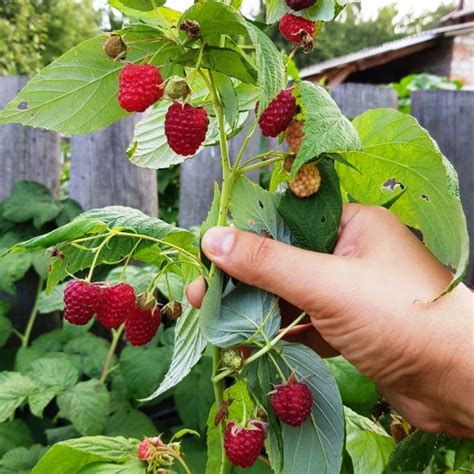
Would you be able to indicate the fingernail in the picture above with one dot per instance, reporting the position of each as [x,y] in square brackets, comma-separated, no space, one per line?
[219,241]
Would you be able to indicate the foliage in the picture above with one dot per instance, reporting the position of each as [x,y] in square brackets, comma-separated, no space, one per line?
[97,396]
[416,82]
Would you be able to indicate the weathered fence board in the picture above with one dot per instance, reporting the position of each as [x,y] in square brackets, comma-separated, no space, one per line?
[449,117]
[101,174]
[355,99]
[26,153]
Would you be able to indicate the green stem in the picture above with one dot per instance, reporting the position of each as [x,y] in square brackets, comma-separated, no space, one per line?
[262,164]
[34,312]
[96,256]
[268,347]
[110,355]
[246,142]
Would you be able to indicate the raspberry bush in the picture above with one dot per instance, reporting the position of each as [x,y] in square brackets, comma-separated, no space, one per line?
[201,76]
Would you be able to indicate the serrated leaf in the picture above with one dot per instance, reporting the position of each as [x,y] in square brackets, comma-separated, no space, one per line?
[326,130]
[368,444]
[143,368]
[86,405]
[72,455]
[230,102]
[357,391]
[54,301]
[70,210]
[272,76]
[12,267]
[6,329]
[319,441]
[255,210]
[21,460]
[314,221]
[399,154]
[14,390]
[77,93]
[51,376]
[138,277]
[14,434]
[31,200]
[194,410]
[187,351]
[129,423]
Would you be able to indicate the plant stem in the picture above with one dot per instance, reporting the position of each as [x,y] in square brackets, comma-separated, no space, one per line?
[246,142]
[262,164]
[34,312]
[113,346]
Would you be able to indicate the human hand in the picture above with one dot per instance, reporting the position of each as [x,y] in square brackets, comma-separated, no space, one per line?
[371,302]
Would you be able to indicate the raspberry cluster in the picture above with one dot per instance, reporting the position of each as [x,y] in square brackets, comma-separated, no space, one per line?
[113,305]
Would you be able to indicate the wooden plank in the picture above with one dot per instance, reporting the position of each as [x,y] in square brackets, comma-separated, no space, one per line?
[26,153]
[355,99]
[101,174]
[449,117]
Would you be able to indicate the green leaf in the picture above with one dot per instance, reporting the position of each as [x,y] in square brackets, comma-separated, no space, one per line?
[137,5]
[319,441]
[138,277]
[255,210]
[130,467]
[14,434]
[62,433]
[357,391]
[21,460]
[54,301]
[367,443]
[314,221]
[129,423]
[6,329]
[415,452]
[230,101]
[72,455]
[31,200]
[70,210]
[52,376]
[187,351]
[399,154]
[86,405]
[12,267]
[464,452]
[143,368]
[75,94]
[194,410]
[326,130]
[272,76]
[14,390]
[323,10]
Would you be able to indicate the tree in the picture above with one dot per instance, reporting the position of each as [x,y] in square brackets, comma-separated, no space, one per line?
[35,32]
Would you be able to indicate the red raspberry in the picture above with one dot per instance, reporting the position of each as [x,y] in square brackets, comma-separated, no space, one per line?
[81,299]
[141,325]
[140,85]
[277,116]
[145,451]
[185,128]
[298,5]
[292,402]
[243,445]
[116,303]
[294,28]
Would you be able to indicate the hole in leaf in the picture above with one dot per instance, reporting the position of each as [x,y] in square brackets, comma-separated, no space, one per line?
[392,184]
[323,220]
[425,197]
[260,203]
[22,105]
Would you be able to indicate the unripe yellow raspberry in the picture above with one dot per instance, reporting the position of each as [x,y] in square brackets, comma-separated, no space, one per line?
[306,182]
[294,135]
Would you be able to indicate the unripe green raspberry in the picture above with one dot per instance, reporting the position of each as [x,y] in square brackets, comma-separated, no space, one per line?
[232,359]
[177,88]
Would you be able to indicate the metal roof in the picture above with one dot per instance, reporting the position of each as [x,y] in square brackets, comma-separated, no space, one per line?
[397,45]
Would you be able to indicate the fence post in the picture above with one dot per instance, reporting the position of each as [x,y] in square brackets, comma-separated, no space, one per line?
[26,153]
[355,99]
[101,174]
[449,117]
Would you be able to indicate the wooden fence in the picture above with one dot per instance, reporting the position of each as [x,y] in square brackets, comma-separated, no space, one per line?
[101,174]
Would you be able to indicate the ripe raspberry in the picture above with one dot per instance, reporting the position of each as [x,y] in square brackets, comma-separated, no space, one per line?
[292,403]
[140,85]
[243,445]
[141,325]
[116,303]
[298,5]
[277,116]
[294,135]
[185,128]
[80,301]
[307,181]
[296,29]
[114,47]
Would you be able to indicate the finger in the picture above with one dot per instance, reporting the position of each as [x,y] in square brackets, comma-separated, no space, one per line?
[195,292]
[299,276]
[307,335]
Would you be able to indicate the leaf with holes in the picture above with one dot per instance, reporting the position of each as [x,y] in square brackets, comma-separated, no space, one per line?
[399,154]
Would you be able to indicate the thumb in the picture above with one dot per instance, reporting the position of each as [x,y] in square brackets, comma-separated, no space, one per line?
[301,277]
